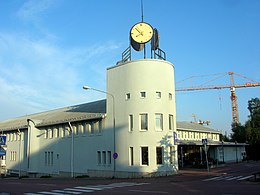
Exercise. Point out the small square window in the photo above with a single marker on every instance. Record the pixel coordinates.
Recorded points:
(158, 94)
(142, 94)
(127, 96)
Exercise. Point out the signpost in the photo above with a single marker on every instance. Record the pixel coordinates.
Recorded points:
(205, 143)
(2, 140)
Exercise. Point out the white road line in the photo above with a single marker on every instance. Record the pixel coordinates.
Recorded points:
(233, 178)
(228, 177)
(78, 190)
(150, 192)
(53, 193)
(244, 178)
(66, 192)
(213, 178)
(88, 188)
(31, 194)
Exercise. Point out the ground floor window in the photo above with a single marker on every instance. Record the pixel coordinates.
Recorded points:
(131, 156)
(144, 156)
(159, 155)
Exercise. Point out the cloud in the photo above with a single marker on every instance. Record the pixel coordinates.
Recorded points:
(39, 75)
(32, 10)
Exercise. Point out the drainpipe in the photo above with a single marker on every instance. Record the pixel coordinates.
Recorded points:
(72, 151)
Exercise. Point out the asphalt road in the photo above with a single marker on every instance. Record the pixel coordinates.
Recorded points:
(231, 179)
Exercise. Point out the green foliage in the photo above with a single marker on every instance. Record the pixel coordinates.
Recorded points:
(239, 133)
(253, 124)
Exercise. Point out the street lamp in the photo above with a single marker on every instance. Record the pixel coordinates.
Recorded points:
(114, 122)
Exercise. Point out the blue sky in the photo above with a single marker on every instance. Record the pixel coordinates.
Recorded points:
(49, 49)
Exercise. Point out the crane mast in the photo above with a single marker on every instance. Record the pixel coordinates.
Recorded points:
(233, 96)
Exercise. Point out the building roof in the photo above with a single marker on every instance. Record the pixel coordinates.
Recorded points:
(183, 125)
(85, 111)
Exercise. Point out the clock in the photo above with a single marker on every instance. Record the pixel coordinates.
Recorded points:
(141, 32)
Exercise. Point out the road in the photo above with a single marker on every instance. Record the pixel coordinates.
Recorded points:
(231, 179)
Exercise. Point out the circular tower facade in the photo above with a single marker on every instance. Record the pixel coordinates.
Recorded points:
(144, 110)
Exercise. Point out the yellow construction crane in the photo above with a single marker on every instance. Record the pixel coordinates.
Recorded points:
(232, 87)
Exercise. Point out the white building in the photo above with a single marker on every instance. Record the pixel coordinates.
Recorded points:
(82, 139)
(191, 150)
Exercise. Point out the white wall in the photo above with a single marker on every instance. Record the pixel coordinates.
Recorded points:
(133, 77)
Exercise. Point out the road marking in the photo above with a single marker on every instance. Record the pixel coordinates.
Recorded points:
(86, 189)
(67, 192)
(80, 190)
(53, 193)
(233, 178)
(150, 192)
(229, 178)
(213, 178)
(244, 178)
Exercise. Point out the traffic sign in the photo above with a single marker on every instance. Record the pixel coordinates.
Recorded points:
(2, 152)
(115, 155)
(204, 141)
(2, 140)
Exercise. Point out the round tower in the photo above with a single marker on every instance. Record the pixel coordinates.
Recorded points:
(145, 117)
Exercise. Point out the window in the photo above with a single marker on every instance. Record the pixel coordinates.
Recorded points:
(131, 122)
(158, 95)
(99, 123)
(92, 128)
(144, 156)
(109, 157)
(50, 133)
(104, 158)
(172, 154)
(159, 121)
(131, 156)
(48, 158)
(144, 121)
(127, 96)
(142, 94)
(99, 157)
(170, 96)
(159, 155)
(46, 133)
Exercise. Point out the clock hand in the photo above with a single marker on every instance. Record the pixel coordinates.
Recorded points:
(138, 30)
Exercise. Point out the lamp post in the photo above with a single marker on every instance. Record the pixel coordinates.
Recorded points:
(20, 137)
(114, 122)
(72, 151)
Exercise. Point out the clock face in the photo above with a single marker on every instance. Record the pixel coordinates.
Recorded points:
(141, 32)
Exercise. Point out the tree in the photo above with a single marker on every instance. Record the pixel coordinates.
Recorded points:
(239, 133)
(252, 127)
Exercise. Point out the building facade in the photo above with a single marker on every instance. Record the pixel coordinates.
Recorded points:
(128, 135)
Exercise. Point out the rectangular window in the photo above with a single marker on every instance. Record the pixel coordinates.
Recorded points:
(158, 94)
(99, 123)
(131, 122)
(144, 156)
(46, 159)
(142, 94)
(131, 156)
(159, 121)
(159, 155)
(127, 96)
(104, 158)
(172, 154)
(50, 133)
(109, 157)
(92, 128)
(99, 157)
(170, 96)
(144, 121)
(170, 122)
